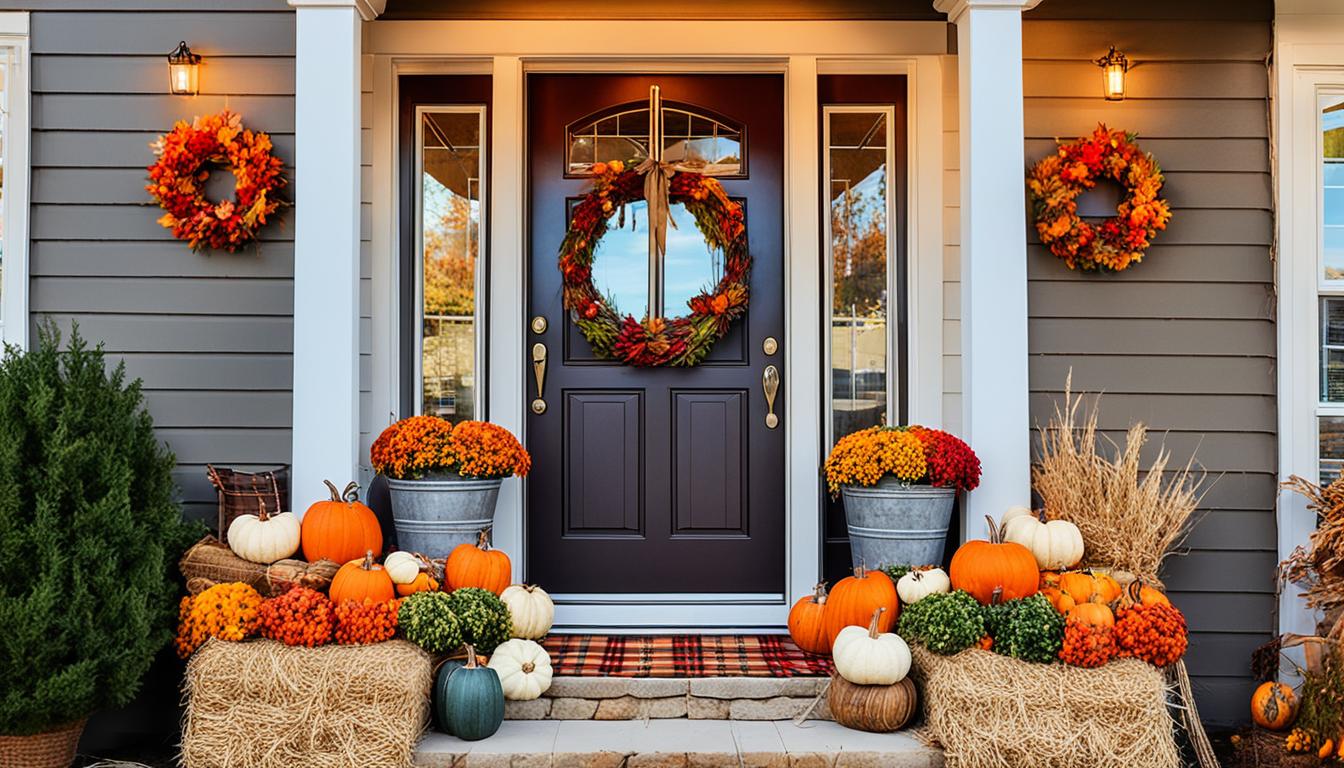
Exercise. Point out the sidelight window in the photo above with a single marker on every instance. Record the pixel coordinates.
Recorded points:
(450, 227)
(859, 159)
(1331, 248)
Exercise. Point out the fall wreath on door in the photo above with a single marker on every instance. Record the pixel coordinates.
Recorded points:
(654, 341)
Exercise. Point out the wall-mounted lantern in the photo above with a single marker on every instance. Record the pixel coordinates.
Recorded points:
(1113, 67)
(184, 71)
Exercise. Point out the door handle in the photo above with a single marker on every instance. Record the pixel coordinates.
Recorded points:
(539, 370)
(770, 383)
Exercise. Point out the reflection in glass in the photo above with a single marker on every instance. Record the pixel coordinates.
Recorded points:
(857, 168)
(450, 221)
(4, 130)
(621, 262)
(623, 136)
(1332, 350)
(1332, 173)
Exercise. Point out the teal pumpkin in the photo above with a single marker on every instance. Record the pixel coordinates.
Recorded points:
(468, 700)
(446, 671)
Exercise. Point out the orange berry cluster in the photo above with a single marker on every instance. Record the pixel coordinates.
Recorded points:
(1086, 645)
(226, 611)
(301, 616)
(367, 622)
(1154, 633)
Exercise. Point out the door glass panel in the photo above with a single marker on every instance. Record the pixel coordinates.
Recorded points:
(1332, 174)
(857, 169)
(692, 141)
(1332, 350)
(621, 262)
(451, 226)
(1331, 448)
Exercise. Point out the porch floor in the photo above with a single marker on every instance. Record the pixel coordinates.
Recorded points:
(675, 744)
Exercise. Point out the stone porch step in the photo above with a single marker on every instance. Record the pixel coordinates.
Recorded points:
(700, 698)
(676, 744)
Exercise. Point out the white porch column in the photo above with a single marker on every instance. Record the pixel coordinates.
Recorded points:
(995, 418)
(326, 244)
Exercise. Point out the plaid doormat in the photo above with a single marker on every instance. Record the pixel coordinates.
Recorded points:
(683, 656)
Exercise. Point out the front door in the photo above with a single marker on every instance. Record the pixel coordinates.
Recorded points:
(656, 480)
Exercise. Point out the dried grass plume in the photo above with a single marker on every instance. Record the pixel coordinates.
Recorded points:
(1130, 518)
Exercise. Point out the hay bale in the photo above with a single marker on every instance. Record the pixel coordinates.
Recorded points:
(990, 711)
(262, 704)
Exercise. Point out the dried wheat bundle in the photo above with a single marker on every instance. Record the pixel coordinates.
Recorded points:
(1320, 570)
(1130, 519)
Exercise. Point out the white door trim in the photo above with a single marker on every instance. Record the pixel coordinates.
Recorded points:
(911, 48)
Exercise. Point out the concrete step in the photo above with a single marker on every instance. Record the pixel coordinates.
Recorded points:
(676, 744)
(700, 698)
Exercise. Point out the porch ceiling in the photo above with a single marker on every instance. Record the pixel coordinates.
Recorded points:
(888, 10)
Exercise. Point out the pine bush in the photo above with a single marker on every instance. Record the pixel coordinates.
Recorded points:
(89, 531)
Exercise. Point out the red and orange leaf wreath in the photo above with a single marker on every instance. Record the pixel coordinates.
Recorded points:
(1057, 181)
(177, 181)
(681, 341)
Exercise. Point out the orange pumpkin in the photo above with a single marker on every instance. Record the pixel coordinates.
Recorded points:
(980, 567)
(361, 580)
(340, 529)
(422, 582)
(807, 622)
(1093, 613)
(854, 599)
(1273, 706)
(478, 565)
(1048, 580)
(1082, 586)
(1138, 593)
(1061, 600)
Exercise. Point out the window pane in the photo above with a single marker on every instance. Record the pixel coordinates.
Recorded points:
(1332, 350)
(4, 130)
(857, 201)
(450, 162)
(621, 262)
(623, 136)
(1332, 146)
(1332, 448)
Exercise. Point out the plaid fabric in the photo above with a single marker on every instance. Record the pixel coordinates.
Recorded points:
(683, 656)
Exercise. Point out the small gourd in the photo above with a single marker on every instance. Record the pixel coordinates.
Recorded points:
(524, 669)
(402, 567)
(264, 537)
(1055, 544)
(531, 608)
(422, 582)
(469, 700)
(918, 584)
(807, 622)
(361, 580)
(869, 657)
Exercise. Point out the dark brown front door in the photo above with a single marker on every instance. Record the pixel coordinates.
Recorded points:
(656, 480)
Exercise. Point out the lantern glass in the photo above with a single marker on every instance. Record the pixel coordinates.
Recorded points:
(184, 71)
(1115, 82)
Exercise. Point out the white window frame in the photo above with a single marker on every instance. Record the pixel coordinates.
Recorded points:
(479, 327)
(896, 374)
(14, 209)
(1308, 60)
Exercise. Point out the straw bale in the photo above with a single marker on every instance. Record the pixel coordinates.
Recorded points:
(991, 711)
(262, 704)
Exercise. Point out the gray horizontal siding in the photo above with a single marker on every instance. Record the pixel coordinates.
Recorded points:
(1185, 341)
(211, 334)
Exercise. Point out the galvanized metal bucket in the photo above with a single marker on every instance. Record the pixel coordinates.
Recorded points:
(896, 524)
(436, 514)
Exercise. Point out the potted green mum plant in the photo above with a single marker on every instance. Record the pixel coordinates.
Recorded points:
(89, 530)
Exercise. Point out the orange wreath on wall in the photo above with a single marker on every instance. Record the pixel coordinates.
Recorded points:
(187, 154)
(1120, 241)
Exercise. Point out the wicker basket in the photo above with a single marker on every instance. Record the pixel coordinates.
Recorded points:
(209, 562)
(52, 749)
(246, 493)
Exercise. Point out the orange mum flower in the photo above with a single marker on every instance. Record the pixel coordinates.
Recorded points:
(421, 446)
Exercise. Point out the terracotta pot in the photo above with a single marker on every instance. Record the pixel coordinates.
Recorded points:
(51, 749)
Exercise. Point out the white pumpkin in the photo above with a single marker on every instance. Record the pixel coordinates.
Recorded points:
(919, 584)
(865, 657)
(402, 567)
(264, 538)
(1014, 512)
(524, 669)
(1056, 544)
(531, 608)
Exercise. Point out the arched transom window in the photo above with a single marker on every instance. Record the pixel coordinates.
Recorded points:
(693, 138)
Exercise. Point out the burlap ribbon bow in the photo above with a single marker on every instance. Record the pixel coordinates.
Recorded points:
(657, 189)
